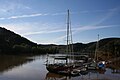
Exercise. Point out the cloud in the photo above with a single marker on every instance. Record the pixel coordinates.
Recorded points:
(80, 29)
(75, 30)
(30, 15)
(2, 18)
(28, 30)
(61, 13)
(47, 31)
(110, 13)
(17, 28)
(10, 6)
(84, 28)
(24, 16)
(107, 16)
(31, 30)
(62, 38)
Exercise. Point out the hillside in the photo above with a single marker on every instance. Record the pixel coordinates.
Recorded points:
(12, 43)
(108, 48)
(7, 36)
(106, 44)
(9, 40)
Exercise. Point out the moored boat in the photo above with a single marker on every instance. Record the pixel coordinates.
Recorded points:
(67, 68)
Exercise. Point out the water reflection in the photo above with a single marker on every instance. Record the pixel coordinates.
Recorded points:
(89, 75)
(53, 76)
(8, 62)
(112, 73)
(33, 68)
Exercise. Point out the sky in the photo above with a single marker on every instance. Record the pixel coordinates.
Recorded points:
(45, 21)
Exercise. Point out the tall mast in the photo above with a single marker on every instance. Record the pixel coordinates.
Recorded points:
(97, 49)
(68, 32)
(69, 38)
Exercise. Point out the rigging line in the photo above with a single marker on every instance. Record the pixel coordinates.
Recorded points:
(72, 50)
(97, 49)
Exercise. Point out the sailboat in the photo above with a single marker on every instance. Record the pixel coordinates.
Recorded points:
(100, 64)
(97, 64)
(67, 68)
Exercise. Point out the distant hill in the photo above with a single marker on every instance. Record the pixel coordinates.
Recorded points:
(104, 44)
(11, 42)
(7, 36)
(9, 39)
(107, 47)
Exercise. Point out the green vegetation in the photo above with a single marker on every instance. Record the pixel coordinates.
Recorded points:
(12, 43)
(109, 48)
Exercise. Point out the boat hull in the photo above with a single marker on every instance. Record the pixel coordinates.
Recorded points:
(58, 69)
(64, 70)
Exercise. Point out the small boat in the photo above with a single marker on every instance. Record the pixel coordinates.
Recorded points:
(75, 72)
(92, 66)
(101, 65)
(83, 71)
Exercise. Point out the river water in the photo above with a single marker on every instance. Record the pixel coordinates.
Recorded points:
(33, 68)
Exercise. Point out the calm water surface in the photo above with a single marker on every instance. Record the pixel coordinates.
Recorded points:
(33, 68)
